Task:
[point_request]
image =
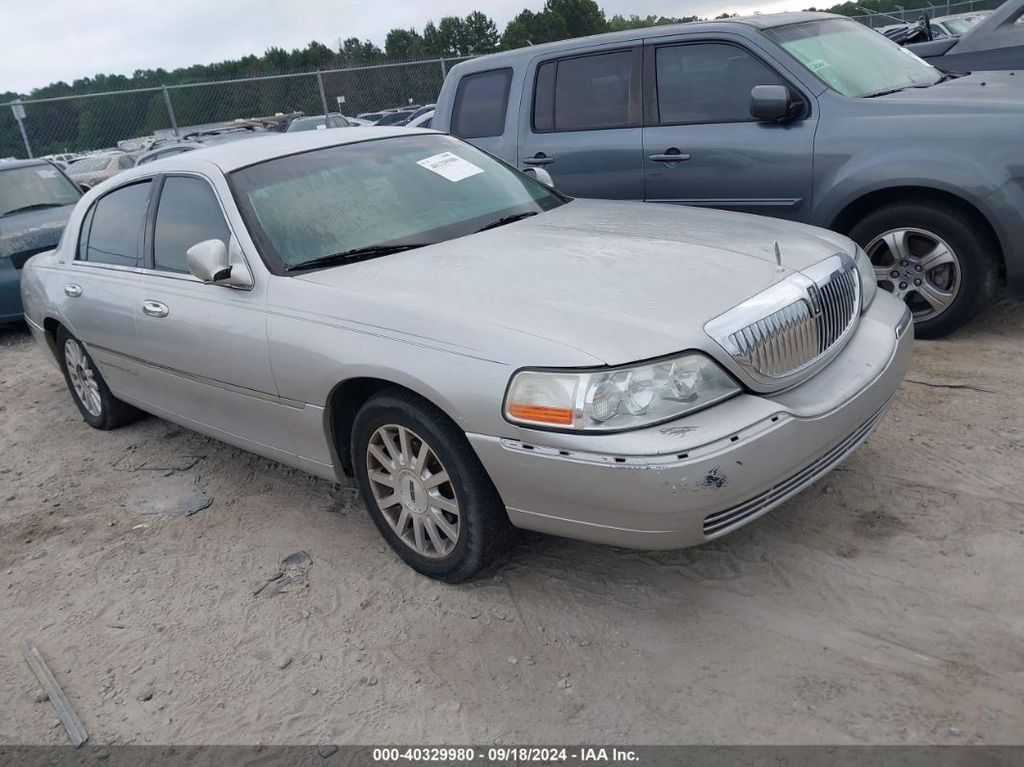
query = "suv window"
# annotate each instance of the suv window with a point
(480, 104)
(583, 93)
(125, 162)
(115, 226)
(188, 213)
(708, 83)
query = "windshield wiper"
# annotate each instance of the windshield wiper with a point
(34, 206)
(355, 254)
(507, 220)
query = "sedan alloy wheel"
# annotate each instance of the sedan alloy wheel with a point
(413, 491)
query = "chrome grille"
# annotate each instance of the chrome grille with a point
(808, 314)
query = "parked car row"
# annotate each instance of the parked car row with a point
(484, 348)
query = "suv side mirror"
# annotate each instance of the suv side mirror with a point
(210, 261)
(541, 175)
(772, 103)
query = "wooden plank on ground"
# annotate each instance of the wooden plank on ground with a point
(67, 715)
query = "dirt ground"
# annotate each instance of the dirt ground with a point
(882, 605)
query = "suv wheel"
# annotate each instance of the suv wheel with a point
(933, 257)
(425, 489)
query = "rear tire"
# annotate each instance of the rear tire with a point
(99, 408)
(940, 260)
(425, 488)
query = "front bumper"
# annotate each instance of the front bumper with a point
(690, 481)
(10, 291)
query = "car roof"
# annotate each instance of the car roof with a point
(231, 156)
(759, 21)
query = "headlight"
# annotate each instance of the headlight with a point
(868, 281)
(619, 398)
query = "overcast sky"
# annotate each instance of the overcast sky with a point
(43, 42)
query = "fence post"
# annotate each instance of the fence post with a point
(170, 111)
(444, 70)
(19, 115)
(323, 99)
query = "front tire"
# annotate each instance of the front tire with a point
(425, 489)
(941, 262)
(99, 408)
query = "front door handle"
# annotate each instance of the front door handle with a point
(155, 309)
(539, 159)
(670, 156)
(72, 290)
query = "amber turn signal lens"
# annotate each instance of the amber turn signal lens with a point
(541, 414)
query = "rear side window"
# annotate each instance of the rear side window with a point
(188, 214)
(708, 83)
(113, 228)
(584, 93)
(480, 104)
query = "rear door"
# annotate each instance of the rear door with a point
(697, 109)
(580, 120)
(99, 285)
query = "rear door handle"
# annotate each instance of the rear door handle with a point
(671, 155)
(155, 309)
(539, 159)
(72, 290)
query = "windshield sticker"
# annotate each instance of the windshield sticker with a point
(450, 166)
(46, 173)
(817, 65)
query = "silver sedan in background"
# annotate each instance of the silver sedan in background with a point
(481, 352)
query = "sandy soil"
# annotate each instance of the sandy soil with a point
(883, 605)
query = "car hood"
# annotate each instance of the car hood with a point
(613, 281)
(974, 93)
(32, 231)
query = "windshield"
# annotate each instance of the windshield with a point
(402, 191)
(35, 186)
(961, 25)
(852, 59)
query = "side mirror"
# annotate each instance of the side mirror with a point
(540, 175)
(772, 103)
(210, 261)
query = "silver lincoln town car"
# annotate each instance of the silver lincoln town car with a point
(481, 352)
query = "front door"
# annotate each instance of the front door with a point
(204, 346)
(583, 125)
(702, 147)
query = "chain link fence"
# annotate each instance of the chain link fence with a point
(932, 10)
(128, 119)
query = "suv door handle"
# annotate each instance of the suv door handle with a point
(539, 159)
(74, 291)
(155, 309)
(671, 155)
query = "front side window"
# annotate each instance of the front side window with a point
(480, 104)
(584, 93)
(117, 221)
(399, 192)
(34, 187)
(188, 213)
(852, 59)
(707, 83)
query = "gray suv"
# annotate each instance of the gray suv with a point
(805, 116)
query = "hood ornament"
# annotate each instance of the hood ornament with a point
(778, 255)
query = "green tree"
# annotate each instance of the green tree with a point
(480, 34)
(581, 17)
(404, 45)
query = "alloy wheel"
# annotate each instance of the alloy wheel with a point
(413, 491)
(919, 268)
(83, 378)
